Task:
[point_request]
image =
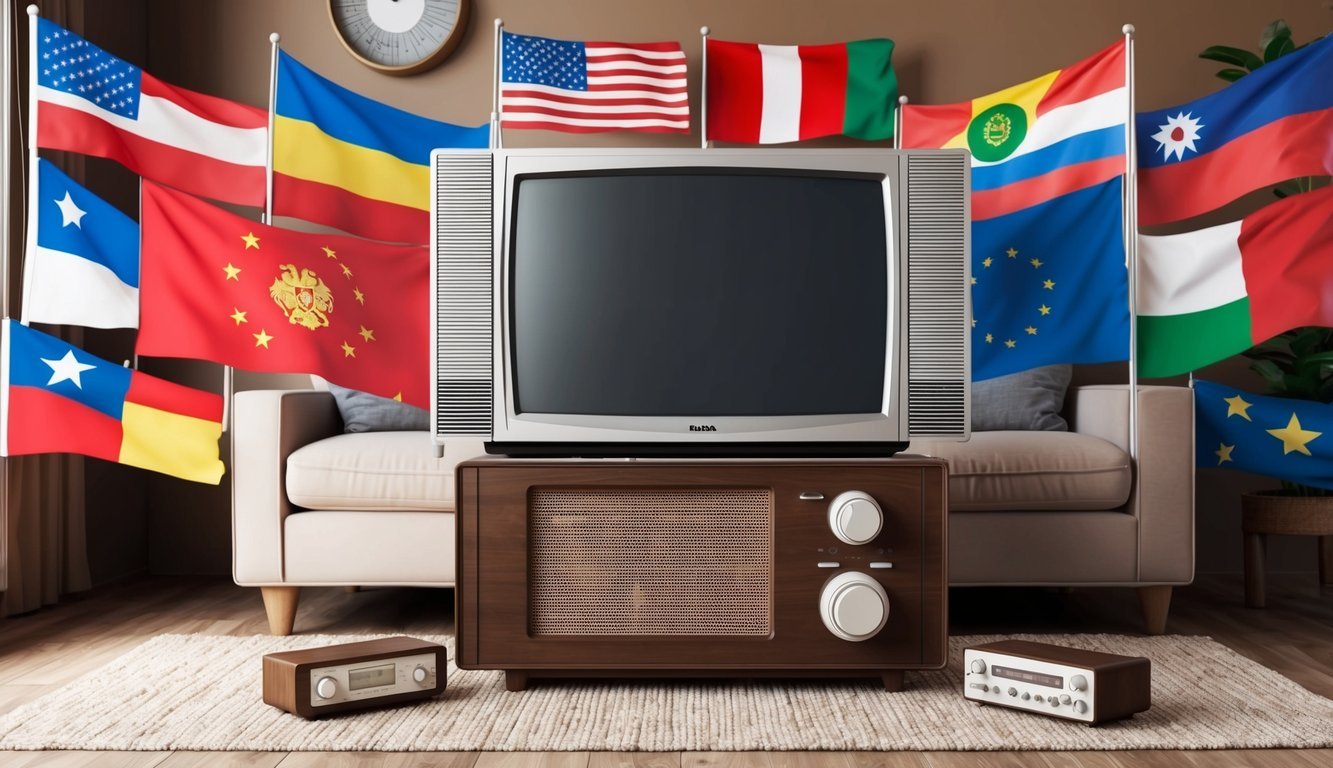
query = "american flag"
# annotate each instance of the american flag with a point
(563, 85)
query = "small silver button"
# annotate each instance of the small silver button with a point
(829, 564)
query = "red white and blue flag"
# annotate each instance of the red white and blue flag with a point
(579, 87)
(1267, 127)
(93, 103)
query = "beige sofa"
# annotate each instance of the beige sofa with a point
(315, 507)
(1070, 509)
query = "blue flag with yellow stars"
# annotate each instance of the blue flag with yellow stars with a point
(1274, 436)
(1049, 284)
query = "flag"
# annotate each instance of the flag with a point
(350, 162)
(1058, 133)
(1209, 294)
(1274, 436)
(216, 286)
(57, 398)
(91, 102)
(563, 85)
(765, 94)
(1050, 286)
(1267, 127)
(84, 267)
(1048, 253)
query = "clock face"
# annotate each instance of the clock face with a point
(400, 36)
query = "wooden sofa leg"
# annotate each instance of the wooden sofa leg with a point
(1155, 602)
(280, 605)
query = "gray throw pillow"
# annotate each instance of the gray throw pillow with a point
(1027, 400)
(362, 412)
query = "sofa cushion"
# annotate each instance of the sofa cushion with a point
(1032, 471)
(376, 470)
(364, 412)
(1030, 399)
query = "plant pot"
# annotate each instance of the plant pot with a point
(1280, 512)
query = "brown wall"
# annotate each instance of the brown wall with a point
(949, 50)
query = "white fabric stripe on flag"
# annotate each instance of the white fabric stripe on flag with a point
(1190, 272)
(524, 89)
(780, 119)
(588, 122)
(520, 101)
(65, 289)
(166, 123)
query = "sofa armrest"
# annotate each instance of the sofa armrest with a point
(1163, 492)
(269, 425)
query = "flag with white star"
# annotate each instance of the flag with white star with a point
(83, 266)
(57, 398)
(1272, 125)
(1275, 436)
(581, 87)
(94, 103)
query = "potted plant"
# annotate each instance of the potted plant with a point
(1297, 364)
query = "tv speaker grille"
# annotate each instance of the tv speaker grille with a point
(937, 246)
(463, 294)
(650, 562)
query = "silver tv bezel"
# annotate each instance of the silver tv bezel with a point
(887, 425)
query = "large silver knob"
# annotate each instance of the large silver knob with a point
(1078, 683)
(855, 517)
(978, 667)
(854, 606)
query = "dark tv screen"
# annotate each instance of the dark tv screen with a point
(699, 293)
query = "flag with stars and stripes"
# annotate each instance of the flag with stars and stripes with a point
(93, 103)
(82, 266)
(1276, 436)
(583, 87)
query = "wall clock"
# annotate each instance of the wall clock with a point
(400, 37)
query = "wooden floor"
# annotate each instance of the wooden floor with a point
(46, 649)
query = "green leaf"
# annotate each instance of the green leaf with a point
(1271, 373)
(1273, 31)
(1231, 75)
(1229, 55)
(1281, 46)
(1307, 341)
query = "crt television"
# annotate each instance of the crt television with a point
(700, 302)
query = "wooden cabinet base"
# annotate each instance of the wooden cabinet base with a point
(685, 568)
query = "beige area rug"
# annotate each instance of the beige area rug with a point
(200, 692)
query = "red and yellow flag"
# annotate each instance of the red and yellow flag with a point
(216, 286)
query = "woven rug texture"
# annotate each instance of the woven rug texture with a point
(203, 692)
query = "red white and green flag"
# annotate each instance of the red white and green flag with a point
(768, 94)
(1206, 295)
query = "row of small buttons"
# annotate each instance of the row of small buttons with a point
(1080, 706)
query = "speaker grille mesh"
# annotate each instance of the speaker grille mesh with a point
(937, 318)
(650, 562)
(463, 286)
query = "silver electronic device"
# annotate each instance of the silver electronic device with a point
(1085, 686)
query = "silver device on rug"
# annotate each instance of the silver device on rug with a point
(314, 682)
(1086, 686)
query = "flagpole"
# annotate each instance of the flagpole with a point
(703, 90)
(497, 140)
(272, 113)
(1131, 216)
(6, 169)
(30, 236)
(898, 122)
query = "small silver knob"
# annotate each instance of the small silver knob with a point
(326, 688)
(978, 667)
(1081, 707)
(1012, 691)
(1078, 683)
(419, 675)
(1064, 698)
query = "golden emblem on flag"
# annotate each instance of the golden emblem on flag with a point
(302, 297)
(997, 129)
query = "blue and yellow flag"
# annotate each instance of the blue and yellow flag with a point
(1049, 284)
(1274, 436)
(353, 163)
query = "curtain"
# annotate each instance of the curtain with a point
(44, 551)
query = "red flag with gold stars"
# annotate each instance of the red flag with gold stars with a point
(216, 286)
